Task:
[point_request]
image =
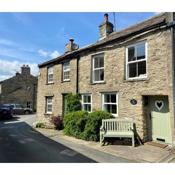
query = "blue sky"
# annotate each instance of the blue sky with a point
(32, 38)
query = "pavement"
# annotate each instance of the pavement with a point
(143, 154)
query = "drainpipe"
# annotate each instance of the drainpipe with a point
(172, 25)
(77, 80)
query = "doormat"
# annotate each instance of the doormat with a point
(160, 145)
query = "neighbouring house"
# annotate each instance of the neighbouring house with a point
(20, 89)
(129, 73)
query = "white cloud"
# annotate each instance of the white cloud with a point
(9, 68)
(44, 53)
(54, 54)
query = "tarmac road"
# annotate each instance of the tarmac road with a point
(19, 143)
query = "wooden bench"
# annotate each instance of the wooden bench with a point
(122, 128)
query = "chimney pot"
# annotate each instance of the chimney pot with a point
(71, 40)
(105, 17)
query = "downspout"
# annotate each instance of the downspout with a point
(77, 80)
(171, 25)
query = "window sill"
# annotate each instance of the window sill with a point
(48, 114)
(101, 82)
(136, 79)
(50, 83)
(64, 81)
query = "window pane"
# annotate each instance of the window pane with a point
(66, 65)
(101, 72)
(96, 65)
(89, 99)
(87, 107)
(113, 109)
(107, 108)
(98, 62)
(50, 77)
(96, 75)
(131, 54)
(141, 51)
(66, 75)
(113, 98)
(85, 99)
(132, 70)
(101, 62)
(106, 98)
(142, 68)
(50, 70)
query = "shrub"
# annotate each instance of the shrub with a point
(94, 122)
(57, 121)
(74, 123)
(84, 125)
(73, 103)
(40, 125)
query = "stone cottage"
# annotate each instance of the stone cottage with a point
(20, 89)
(129, 73)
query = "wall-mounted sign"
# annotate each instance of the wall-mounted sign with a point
(133, 101)
(159, 104)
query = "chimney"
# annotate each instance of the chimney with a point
(106, 27)
(71, 46)
(25, 70)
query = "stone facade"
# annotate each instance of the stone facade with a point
(20, 89)
(159, 80)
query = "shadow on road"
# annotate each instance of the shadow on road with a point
(20, 143)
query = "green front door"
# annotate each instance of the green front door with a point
(64, 104)
(160, 119)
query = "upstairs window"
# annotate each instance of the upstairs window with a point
(50, 75)
(136, 61)
(98, 68)
(49, 105)
(86, 102)
(66, 71)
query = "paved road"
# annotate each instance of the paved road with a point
(20, 143)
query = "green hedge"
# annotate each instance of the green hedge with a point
(74, 123)
(84, 125)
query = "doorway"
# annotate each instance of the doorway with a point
(159, 128)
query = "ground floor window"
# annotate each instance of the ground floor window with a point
(110, 103)
(49, 101)
(87, 102)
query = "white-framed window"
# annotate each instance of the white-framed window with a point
(49, 105)
(110, 103)
(66, 71)
(136, 61)
(86, 102)
(50, 74)
(98, 68)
